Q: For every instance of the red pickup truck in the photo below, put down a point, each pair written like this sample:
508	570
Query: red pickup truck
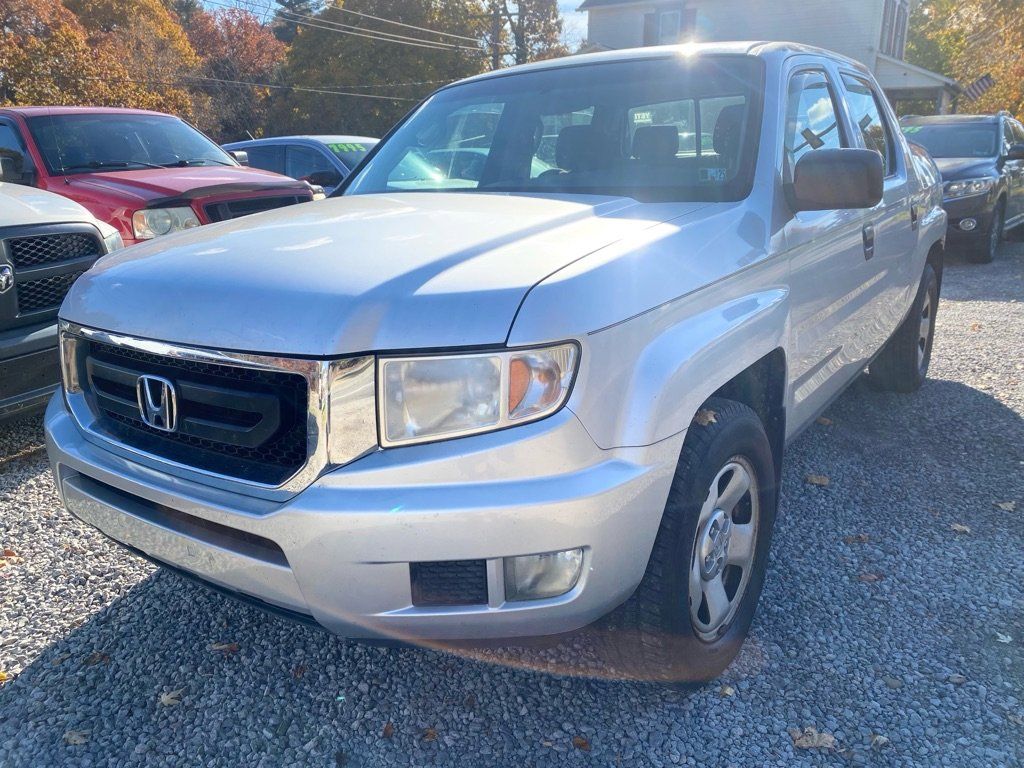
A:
145	173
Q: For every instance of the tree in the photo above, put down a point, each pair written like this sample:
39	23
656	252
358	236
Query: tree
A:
535	27
290	11
46	58
236	48
393	75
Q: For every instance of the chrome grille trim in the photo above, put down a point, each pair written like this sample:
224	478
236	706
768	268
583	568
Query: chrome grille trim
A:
319	375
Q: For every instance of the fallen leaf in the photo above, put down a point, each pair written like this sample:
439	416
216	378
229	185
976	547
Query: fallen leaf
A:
726	690
430	734
857	538
821	480
825	421
580	743
975	327
811	738
3	676
225	648
96	657
871	578
1001	638
171	698
878	741
389	730
76	738
299	671
705	416
959	528
956	679
1006	506
547	743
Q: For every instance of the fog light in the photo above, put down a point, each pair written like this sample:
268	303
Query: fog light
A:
532	577
968	224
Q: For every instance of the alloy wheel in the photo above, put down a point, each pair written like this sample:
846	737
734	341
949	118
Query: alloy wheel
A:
924	330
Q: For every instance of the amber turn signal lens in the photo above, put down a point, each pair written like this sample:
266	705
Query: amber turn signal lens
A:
518	383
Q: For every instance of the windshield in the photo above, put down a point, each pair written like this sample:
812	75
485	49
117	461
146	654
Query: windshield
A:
957	140
625	128
114	141
351	153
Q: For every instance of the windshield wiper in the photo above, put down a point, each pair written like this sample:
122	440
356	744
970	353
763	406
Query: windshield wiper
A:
195	161
97	164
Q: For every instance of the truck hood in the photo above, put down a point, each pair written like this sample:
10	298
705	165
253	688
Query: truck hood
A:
153	185
354	274
21	205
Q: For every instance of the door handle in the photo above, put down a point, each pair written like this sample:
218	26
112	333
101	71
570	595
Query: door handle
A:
868	233
913	216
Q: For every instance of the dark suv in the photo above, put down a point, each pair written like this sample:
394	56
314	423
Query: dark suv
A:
981	158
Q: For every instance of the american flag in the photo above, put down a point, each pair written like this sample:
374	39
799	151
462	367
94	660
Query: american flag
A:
978	87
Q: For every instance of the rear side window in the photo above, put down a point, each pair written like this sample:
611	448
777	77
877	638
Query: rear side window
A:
866	113
811	120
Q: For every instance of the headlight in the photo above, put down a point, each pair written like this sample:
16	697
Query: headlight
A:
966	187
113	242
444	396
153	222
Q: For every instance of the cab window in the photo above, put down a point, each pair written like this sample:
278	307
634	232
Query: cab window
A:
811	116
866	114
11	147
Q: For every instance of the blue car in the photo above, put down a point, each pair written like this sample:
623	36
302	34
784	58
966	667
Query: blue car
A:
321	160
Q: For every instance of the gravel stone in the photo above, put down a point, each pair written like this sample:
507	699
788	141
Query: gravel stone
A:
90	636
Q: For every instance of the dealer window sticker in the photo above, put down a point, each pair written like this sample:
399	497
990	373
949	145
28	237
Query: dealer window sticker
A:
713	175
347	147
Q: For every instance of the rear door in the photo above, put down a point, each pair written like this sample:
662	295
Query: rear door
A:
1015	175
892	269
826	254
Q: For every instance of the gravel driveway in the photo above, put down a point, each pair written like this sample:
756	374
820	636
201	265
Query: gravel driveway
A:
892	621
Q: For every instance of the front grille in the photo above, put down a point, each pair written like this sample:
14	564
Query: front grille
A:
51	249
246	423
449	582
45	292
232	209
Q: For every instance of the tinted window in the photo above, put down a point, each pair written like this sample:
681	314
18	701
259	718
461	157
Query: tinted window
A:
867	118
10	146
82	143
606	129
267	158
811	121
955	140
306	163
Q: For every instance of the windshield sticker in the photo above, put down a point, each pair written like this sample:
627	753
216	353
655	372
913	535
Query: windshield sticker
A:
909	130
345	147
713	175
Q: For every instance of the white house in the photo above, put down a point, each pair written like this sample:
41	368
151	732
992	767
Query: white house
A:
873	32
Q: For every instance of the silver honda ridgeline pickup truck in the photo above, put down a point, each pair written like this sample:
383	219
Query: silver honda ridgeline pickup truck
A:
533	368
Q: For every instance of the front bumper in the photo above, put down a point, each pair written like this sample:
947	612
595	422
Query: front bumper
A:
978	207
340	551
29	369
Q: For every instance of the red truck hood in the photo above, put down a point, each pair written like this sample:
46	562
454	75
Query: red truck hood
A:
150	184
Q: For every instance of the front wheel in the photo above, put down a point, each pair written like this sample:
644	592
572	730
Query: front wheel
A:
688	618
985	251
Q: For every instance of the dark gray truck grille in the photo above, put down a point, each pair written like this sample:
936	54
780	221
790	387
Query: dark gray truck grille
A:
244	423
45	260
232	209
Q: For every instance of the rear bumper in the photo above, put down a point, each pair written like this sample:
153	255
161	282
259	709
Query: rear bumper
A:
340	551
29	369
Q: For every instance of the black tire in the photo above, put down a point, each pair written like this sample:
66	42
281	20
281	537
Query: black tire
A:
985	251
652	635
902	366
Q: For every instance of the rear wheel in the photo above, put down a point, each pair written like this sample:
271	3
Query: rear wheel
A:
902	366
985	251
688	618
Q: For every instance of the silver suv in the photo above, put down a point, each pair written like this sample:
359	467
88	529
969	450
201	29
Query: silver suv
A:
533	367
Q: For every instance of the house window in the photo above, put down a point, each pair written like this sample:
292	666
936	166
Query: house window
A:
669	26
894	28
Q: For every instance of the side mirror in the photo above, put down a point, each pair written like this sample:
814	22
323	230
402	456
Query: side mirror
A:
240	155
9	171
1016	152
323	178
827	179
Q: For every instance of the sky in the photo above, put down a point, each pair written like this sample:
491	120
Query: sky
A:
574	24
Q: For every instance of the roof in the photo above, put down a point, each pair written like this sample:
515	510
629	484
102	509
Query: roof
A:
736	48
39	111
950	119
589	4
322	139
